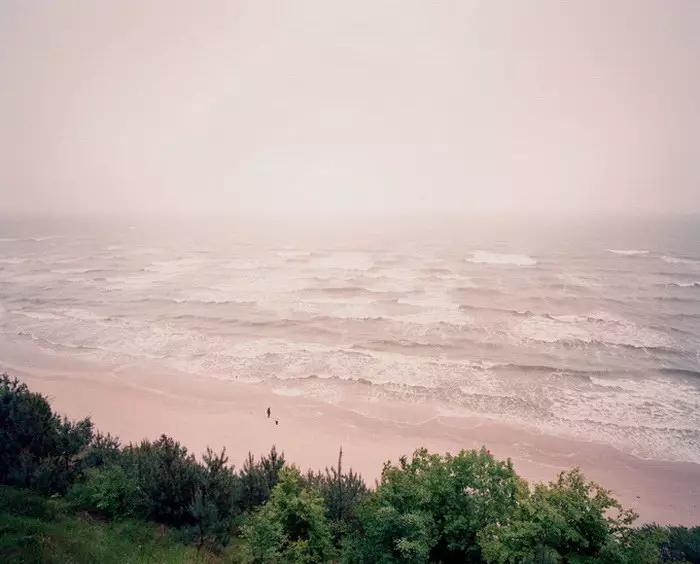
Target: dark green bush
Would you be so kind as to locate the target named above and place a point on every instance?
(433, 507)
(38, 449)
(291, 526)
(104, 449)
(25, 503)
(342, 494)
(257, 479)
(569, 520)
(167, 475)
(110, 491)
(682, 544)
(214, 507)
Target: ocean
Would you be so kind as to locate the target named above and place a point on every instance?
(584, 329)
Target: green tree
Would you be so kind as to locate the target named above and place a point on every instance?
(38, 449)
(111, 492)
(291, 526)
(103, 450)
(342, 493)
(167, 475)
(213, 508)
(682, 544)
(432, 508)
(569, 520)
(258, 478)
(27, 431)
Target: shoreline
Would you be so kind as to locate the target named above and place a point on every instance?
(202, 412)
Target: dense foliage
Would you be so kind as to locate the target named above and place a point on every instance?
(467, 507)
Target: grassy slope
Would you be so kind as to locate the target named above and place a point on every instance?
(34, 529)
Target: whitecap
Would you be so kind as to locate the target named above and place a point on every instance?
(288, 392)
(596, 328)
(676, 260)
(46, 238)
(344, 261)
(685, 284)
(40, 315)
(293, 253)
(485, 257)
(628, 252)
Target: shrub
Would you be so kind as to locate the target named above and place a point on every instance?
(213, 508)
(168, 477)
(342, 494)
(257, 479)
(683, 544)
(103, 450)
(37, 448)
(110, 491)
(433, 507)
(570, 519)
(291, 526)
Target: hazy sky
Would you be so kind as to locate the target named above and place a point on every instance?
(362, 106)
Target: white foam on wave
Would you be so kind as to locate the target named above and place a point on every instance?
(71, 270)
(343, 261)
(13, 260)
(432, 317)
(293, 253)
(288, 392)
(7, 240)
(39, 315)
(588, 329)
(246, 264)
(686, 284)
(397, 280)
(436, 301)
(46, 238)
(358, 307)
(485, 257)
(676, 260)
(628, 252)
(175, 266)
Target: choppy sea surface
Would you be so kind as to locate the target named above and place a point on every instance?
(588, 329)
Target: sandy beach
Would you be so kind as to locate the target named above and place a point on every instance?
(203, 412)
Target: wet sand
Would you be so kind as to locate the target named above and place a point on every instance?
(201, 412)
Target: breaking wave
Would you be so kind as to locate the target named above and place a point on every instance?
(628, 252)
(485, 257)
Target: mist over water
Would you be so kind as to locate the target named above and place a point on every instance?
(588, 330)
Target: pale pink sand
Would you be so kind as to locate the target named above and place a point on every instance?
(203, 412)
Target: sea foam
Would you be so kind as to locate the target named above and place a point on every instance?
(485, 257)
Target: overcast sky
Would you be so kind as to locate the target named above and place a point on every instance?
(322, 108)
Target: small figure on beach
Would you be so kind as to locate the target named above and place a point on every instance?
(268, 412)
(277, 421)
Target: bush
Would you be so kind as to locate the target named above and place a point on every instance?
(104, 450)
(38, 449)
(342, 494)
(433, 507)
(682, 544)
(291, 526)
(168, 477)
(257, 479)
(111, 492)
(25, 503)
(213, 508)
(570, 519)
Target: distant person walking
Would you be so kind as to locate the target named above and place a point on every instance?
(268, 412)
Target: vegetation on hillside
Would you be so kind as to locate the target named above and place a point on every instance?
(72, 494)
